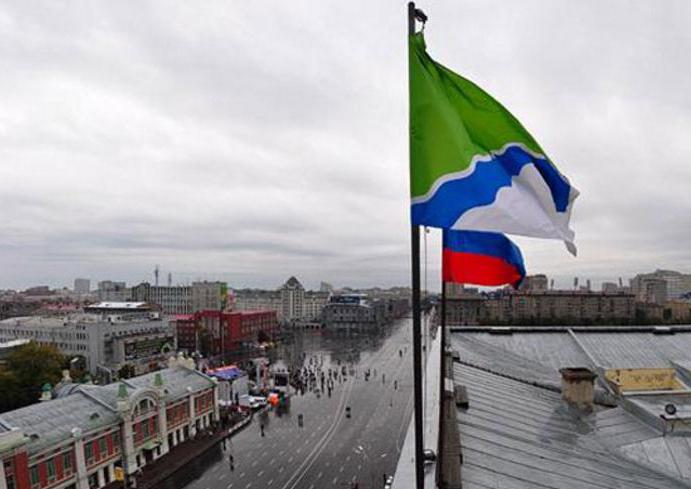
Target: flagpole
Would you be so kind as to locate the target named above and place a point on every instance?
(442, 366)
(417, 346)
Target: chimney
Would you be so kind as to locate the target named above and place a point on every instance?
(577, 387)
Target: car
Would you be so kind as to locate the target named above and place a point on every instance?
(260, 401)
(389, 482)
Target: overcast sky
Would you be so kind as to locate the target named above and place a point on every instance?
(271, 140)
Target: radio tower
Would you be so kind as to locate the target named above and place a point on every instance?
(170, 279)
(156, 275)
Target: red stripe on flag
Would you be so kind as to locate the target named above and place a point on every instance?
(470, 268)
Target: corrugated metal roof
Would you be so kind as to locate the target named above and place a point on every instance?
(520, 436)
(627, 349)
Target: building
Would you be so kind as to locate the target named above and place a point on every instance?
(353, 312)
(81, 438)
(648, 288)
(535, 283)
(258, 300)
(559, 407)
(112, 291)
(549, 307)
(292, 299)
(610, 288)
(183, 299)
(223, 331)
(82, 286)
(313, 303)
(106, 341)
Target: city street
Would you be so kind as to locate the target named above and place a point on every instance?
(330, 450)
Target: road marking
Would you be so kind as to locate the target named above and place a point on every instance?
(242, 474)
(335, 480)
(280, 469)
(230, 485)
(254, 463)
(249, 484)
(341, 470)
(259, 474)
(222, 476)
(290, 459)
(347, 458)
(320, 475)
(271, 481)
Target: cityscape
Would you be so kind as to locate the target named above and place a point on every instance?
(360, 245)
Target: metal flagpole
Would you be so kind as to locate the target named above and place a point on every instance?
(442, 368)
(417, 347)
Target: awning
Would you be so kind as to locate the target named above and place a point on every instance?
(151, 444)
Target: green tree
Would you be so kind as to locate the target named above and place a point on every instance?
(33, 365)
(126, 371)
(9, 389)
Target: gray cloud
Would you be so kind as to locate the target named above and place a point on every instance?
(270, 140)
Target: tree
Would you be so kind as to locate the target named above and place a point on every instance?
(33, 365)
(10, 390)
(126, 371)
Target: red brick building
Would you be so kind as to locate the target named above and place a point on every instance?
(236, 328)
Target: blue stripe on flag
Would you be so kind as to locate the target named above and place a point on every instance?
(452, 199)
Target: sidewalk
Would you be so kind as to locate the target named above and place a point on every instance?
(159, 470)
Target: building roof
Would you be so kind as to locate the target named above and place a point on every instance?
(518, 432)
(49, 423)
(519, 436)
(118, 305)
(90, 407)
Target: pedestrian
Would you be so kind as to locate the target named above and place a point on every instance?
(261, 427)
(395, 385)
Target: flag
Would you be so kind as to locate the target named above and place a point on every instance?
(473, 166)
(481, 258)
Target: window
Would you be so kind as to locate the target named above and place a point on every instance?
(50, 468)
(67, 462)
(10, 482)
(89, 452)
(33, 473)
(116, 440)
(145, 429)
(102, 447)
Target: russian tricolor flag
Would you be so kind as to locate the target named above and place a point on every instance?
(481, 258)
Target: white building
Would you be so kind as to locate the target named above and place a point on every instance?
(106, 341)
(82, 286)
(183, 299)
(677, 284)
(112, 291)
(292, 299)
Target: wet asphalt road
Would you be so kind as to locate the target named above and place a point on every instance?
(330, 450)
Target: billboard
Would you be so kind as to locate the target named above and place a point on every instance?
(137, 348)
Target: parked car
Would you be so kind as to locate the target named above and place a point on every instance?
(251, 402)
(259, 400)
(389, 482)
